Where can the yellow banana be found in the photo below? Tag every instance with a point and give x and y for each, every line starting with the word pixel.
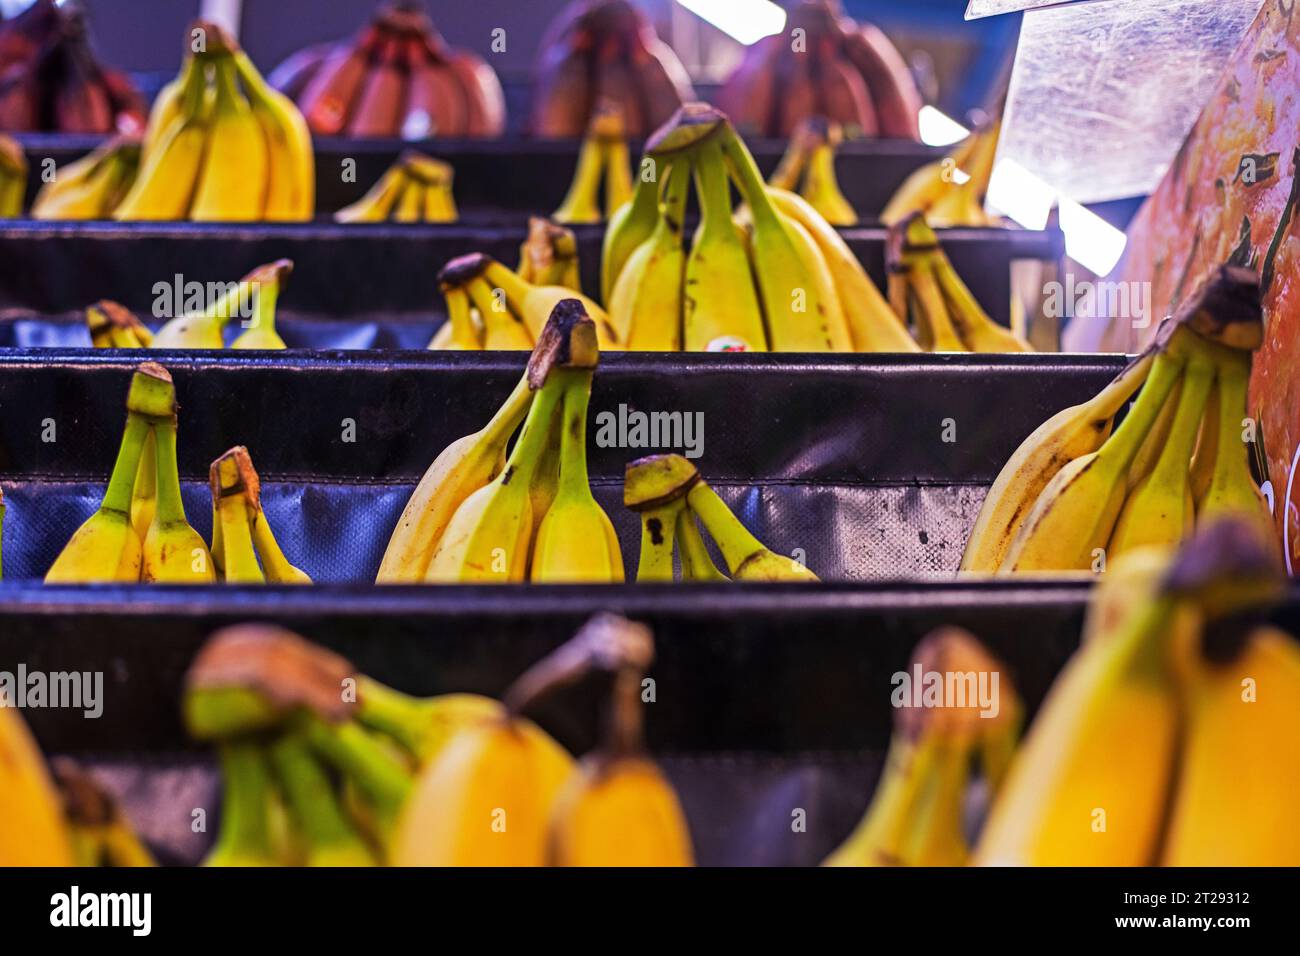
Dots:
pixel 656 487
pixel 549 256
pixel 1068 435
pixel 535 303
pixel 631 224
pixel 922 188
pixel 233 185
pixel 821 187
pixel 646 306
pixel 291 162
pixel 378 202
pixel 582 204
pixel 463 467
pixel 233 553
pixel 33 831
pixel 91 187
pixel 1234 802
pixel 575 541
pixel 502 329
pixel 747 558
pixel 618 175
pixel 697 563
pixel 112 325
pixel 721 300
pixel 173 551
pixel 259 331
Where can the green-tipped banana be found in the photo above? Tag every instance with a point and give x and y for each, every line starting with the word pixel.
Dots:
pixel 247 834
pixel 747 558
pixel 315 811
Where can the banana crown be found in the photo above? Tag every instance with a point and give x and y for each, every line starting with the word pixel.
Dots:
pixel 152 393
pixel 655 480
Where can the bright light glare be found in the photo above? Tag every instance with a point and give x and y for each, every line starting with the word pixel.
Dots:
pixel 960 176
pixel 1090 240
pixel 939 129
pixel 1017 193
pixel 745 20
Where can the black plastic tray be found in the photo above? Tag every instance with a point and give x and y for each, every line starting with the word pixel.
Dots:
pixel 357 286
pixel 522 174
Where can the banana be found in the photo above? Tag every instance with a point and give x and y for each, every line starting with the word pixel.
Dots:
pixel 631 224
pixel 410 204
pixel 502 329
pixel 488 798
pixel 173 552
pixel 101 833
pixel 872 325
pixel 697 563
pixel 489 537
pixel 378 202
pixel 462 468
pixel 656 487
pixel 977 331
pixel 1068 435
pixel 618 808
pixel 144 495
pixel 1160 510
pixel 291 162
pixel 259 331
pixel 206 329
pixel 13 178
pixel 575 541
pixel 112 325
pixel 246 836
pixel 549 256
pixel 582 202
pixel 535 303
pixel 962 203
pixel 645 309
pixel 1207 439
pixel 91 187
pixel 789 171
pixel 922 188
pixel 1234 801
pixel 1231 488
pixel 618 174
pixel 721 300
pixel 169 104
pixel 1072 519
pixel 233 185
pixel 821 187
pixel 422 727
pixel 106 547
pixel 461 332
pixel 800 306
pixel 314 808
pixel 33 831
pixel 233 474
pixel 170 170
pixel 233 553
pixel 746 557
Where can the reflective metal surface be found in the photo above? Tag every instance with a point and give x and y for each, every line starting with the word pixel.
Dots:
pixel 1103 93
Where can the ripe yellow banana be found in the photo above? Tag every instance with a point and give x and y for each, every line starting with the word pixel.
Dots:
pixel 291 162
pixel 13 178
pixel 1072 519
pixel 618 808
pixel 747 558
pixel 549 255
pixel 106 547
pixel 461 332
pixel 114 326
pixel 1160 510
pixel 1234 802
pixel 91 187
pixel 721 300
pixel 872 324
pixel 169 104
pixel 462 468
pixel 502 329
pixel 171 167
pixel 206 329
pixel 697 563
pixel 535 303
pixel 631 224
pixel 33 831
pixel 645 309
pixel 1068 435
pixel 233 184
pixel 575 541
pixel 173 553
pixel 821 187
pixel 618 175
pixel 582 202
pixel 233 553
pixel 378 202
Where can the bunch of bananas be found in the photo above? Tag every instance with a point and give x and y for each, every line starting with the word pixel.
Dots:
pixel 603 157
pixel 670 496
pixel 823 64
pixel 13 178
pixel 99 830
pixel 597 50
pixel 93 186
pixel 774 276
pixel 252 300
pixel 1170 737
pixel 33 830
pixel 1074 495
pixel 416 188
pixel 221 144
pixel 478 515
pixel 397 77
pixel 51 80
pixel 140 532
pixel 810 158
pixel 490 306
pixel 327 767
pixel 950 191
pixel 926 293
pixel 917 811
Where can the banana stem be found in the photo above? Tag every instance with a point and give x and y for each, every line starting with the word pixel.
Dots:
pixel 713 190
pixel 121 484
pixel 748 180
pixel 531 444
pixel 1171 466
pixel 672 212
pixel 1165 374
pixel 380 777
pixel 509 282
pixel 734 540
pixel 697 563
pixel 574 482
